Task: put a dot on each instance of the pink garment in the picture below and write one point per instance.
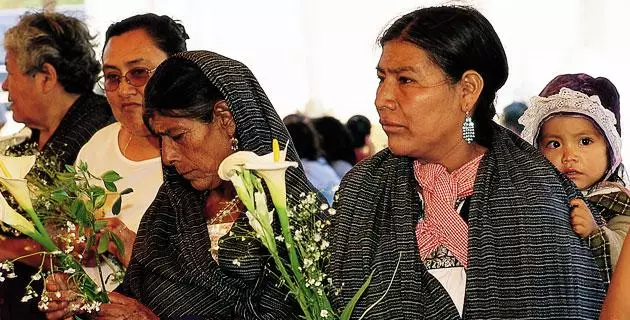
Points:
(442, 224)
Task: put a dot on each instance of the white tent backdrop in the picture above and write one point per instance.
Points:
(318, 56)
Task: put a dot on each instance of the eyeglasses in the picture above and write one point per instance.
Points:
(136, 77)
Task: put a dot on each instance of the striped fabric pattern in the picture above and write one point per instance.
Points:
(172, 270)
(525, 262)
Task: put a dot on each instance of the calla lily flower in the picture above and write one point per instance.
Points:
(260, 219)
(273, 172)
(12, 173)
(9, 216)
(272, 167)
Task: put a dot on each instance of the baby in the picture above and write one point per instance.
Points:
(578, 136)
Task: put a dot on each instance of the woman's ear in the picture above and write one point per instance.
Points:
(46, 77)
(224, 117)
(472, 85)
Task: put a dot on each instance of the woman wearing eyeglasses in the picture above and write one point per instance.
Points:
(134, 47)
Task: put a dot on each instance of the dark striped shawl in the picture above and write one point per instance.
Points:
(525, 262)
(172, 271)
(89, 113)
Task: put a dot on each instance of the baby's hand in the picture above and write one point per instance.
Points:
(581, 218)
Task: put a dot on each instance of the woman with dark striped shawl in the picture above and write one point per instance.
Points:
(458, 218)
(203, 106)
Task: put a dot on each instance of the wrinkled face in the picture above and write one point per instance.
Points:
(24, 94)
(576, 147)
(126, 54)
(194, 148)
(419, 108)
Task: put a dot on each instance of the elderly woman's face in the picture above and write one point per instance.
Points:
(419, 109)
(194, 148)
(131, 53)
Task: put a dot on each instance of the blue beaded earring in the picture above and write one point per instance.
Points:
(468, 129)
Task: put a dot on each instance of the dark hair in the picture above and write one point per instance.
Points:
(303, 135)
(458, 39)
(600, 86)
(511, 114)
(336, 141)
(180, 89)
(169, 35)
(359, 127)
(60, 40)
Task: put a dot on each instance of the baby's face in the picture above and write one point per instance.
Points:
(576, 147)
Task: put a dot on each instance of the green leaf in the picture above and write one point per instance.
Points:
(347, 311)
(81, 215)
(99, 225)
(70, 168)
(99, 202)
(126, 191)
(103, 243)
(59, 195)
(110, 176)
(97, 191)
(116, 206)
(110, 186)
(89, 206)
(83, 166)
(119, 244)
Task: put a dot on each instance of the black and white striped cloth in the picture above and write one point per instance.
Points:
(172, 271)
(525, 261)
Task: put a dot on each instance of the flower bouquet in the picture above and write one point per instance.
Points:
(69, 204)
(303, 229)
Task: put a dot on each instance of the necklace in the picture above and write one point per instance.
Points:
(227, 210)
(127, 144)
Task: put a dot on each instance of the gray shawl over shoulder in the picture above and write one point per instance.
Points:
(172, 271)
(525, 261)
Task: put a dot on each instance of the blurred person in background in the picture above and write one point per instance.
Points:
(306, 141)
(360, 129)
(510, 116)
(337, 144)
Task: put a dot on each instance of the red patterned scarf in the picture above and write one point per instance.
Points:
(442, 224)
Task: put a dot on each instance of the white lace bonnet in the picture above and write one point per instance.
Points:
(569, 101)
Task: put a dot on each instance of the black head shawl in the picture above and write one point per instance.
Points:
(172, 271)
(525, 261)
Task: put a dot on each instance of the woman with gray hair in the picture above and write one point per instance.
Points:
(52, 70)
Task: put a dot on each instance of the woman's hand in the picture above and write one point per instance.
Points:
(582, 220)
(63, 301)
(127, 237)
(122, 307)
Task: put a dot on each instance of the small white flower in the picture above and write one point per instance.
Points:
(332, 211)
(236, 262)
(69, 271)
(1, 278)
(37, 276)
(323, 206)
(324, 314)
(280, 238)
(71, 226)
(58, 294)
(12, 275)
(26, 298)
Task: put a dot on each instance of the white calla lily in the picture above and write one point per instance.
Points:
(12, 173)
(242, 191)
(272, 167)
(16, 167)
(233, 163)
(9, 216)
